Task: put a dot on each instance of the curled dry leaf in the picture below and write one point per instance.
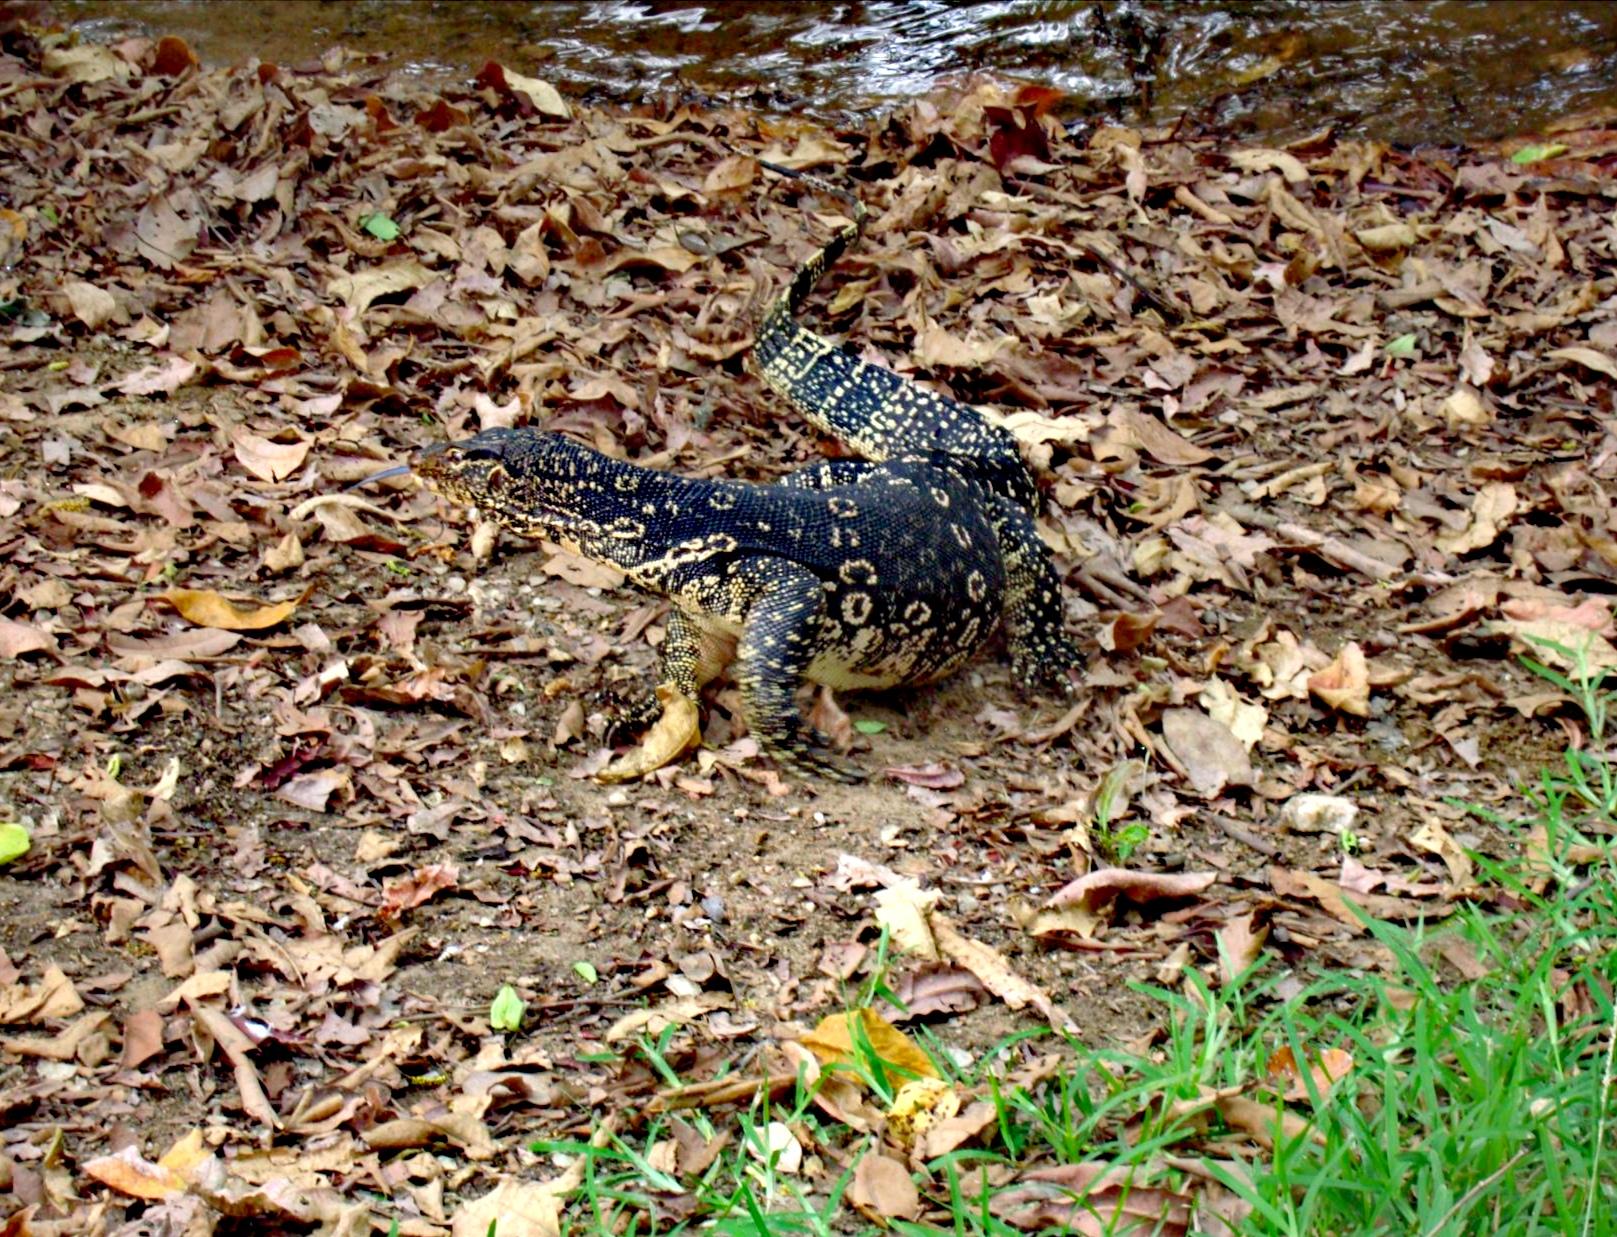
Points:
(1344, 685)
(1332, 1065)
(164, 379)
(314, 790)
(266, 460)
(1100, 887)
(1491, 510)
(1593, 358)
(206, 608)
(546, 99)
(91, 305)
(358, 290)
(420, 886)
(128, 1172)
(1432, 837)
(1224, 704)
(1240, 944)
(676, 732)
(53, 997)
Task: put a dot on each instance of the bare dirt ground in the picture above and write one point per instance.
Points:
(1326, 436)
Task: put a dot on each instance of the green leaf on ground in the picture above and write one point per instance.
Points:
(1403, 346)
(1533, 153)
(507, 1009)
(866, 725)
(380, 226)
(14, 842)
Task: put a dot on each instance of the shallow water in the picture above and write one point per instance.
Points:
(1442, 71)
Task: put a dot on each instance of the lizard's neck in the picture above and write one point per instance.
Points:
(606, 509)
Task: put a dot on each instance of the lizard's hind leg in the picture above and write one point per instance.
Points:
(779, 640)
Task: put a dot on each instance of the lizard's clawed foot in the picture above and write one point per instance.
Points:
(627, 716)
(676, 732)
(1045, 663)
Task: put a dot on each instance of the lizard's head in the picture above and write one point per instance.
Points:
(476, 471)
(533, 482)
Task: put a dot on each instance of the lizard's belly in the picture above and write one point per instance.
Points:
(898, 653)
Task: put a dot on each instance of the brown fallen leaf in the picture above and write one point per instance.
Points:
(91, 305)
(164, 379)
(544, 97)
(1263, 1122)
(882, 1188)
(516, 1208)
(314, 790)
(1432, 837)
(129, 1173)
(730, 173)
(998, 976)
(1140, 429)
(52, 997)
(1092, 1200)
(1593, 358)
(1210, 754)
(420, 886)
(62, 1046)
(206, 608)
(17, 639)
(358, 290)
(1544, 639)
(1240, 944)
(1491, 510)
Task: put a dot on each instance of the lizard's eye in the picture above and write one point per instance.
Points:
(482, 452)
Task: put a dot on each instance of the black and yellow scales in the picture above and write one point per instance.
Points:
(873, 573)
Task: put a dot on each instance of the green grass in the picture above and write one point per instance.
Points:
(1472, 1107)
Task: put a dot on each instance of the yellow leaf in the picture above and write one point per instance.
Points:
(128, 1173)
(919, 1105)
(545, 97)
(206, 608)
(187, 1152)
(675, 733)
(832, 1042)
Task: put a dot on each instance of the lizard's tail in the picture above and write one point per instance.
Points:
(811, 271)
